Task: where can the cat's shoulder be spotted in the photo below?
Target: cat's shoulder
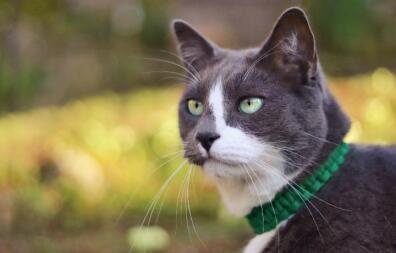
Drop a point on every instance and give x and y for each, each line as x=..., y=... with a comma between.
x=373, y=155
x=372, y=162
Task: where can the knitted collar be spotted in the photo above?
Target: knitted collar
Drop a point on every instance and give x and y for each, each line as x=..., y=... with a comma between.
x=287, y=202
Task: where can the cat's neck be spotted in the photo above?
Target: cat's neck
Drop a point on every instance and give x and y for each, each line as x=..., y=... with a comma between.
x=240, y=195
x=338, y=126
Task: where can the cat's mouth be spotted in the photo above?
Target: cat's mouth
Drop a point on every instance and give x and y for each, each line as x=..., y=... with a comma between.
x=211, y=158
x=223, y=161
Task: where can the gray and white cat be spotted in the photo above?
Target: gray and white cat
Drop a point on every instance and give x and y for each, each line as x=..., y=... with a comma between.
x=257, y=120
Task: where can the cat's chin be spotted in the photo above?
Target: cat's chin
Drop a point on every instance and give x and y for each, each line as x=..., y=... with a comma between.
x=220, y=168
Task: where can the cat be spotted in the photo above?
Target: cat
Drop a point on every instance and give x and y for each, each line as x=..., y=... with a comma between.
x=258, y=121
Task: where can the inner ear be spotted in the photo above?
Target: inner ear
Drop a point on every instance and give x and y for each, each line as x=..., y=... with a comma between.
x=195, y=50
x=291, y=45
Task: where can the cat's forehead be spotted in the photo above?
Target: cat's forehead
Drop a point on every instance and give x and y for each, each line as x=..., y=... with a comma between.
x=231, y=69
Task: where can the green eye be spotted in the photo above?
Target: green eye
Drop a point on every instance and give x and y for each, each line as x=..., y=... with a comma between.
x=195, y=107
x=251, y=105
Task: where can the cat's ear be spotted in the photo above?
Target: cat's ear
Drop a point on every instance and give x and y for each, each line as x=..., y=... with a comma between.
x=195, y=50
x=291, y=45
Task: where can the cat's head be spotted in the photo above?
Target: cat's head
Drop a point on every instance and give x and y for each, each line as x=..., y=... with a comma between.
x=261, y=109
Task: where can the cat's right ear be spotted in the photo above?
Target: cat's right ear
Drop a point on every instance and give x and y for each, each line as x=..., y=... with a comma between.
x=291, y=45
x=195, y=50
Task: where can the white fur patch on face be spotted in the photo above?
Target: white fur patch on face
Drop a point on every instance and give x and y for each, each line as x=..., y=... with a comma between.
x=216, y=102
x=247, y=170
x=234, y=147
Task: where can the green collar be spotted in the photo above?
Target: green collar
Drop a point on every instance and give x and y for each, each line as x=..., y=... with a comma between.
x=287, y=202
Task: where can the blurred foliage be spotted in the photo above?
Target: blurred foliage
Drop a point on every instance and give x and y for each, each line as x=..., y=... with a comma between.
x=17, y=86
x=86, y=170
x=354, y=35
x=55, y=50
x=98, y=162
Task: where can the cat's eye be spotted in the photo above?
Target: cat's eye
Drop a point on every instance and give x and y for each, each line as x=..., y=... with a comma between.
x=251, y=105
x=195, y=107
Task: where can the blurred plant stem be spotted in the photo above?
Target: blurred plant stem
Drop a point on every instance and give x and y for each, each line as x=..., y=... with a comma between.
x=12, y=53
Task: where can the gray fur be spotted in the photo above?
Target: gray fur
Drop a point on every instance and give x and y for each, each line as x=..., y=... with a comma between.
x=360, y=213
x=299, y=114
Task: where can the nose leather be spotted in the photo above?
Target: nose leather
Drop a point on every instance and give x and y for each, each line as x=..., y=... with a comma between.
x=207, y=139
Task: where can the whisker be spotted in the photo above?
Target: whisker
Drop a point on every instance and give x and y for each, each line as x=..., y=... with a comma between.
x=160, y=207
x=310, y=202
x=314, y=196
x=157, y=197
x=178, y=75
x=272, y=206
x=309, y=210
x=180, y=60
x=180, y=198
x=189, y=208
x=185, y=205
x=174, y=64
x=175, y=78
x=175, y=153
x=266, y=54
x=319, y=138
x=132, y=195
x=322, y=200
x=257, y=193
x=285, y=159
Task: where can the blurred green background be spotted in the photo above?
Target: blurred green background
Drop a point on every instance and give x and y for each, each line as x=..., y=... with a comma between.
x=88, y=124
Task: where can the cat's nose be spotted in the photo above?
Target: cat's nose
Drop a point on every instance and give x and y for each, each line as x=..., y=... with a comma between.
x=207, y=139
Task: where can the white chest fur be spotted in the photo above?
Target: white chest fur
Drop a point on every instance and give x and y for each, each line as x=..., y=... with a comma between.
x=240, y=197
x=260, y=242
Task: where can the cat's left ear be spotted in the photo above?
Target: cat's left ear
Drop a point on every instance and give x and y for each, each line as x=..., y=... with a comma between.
x=195, y=50
x=291, y=45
